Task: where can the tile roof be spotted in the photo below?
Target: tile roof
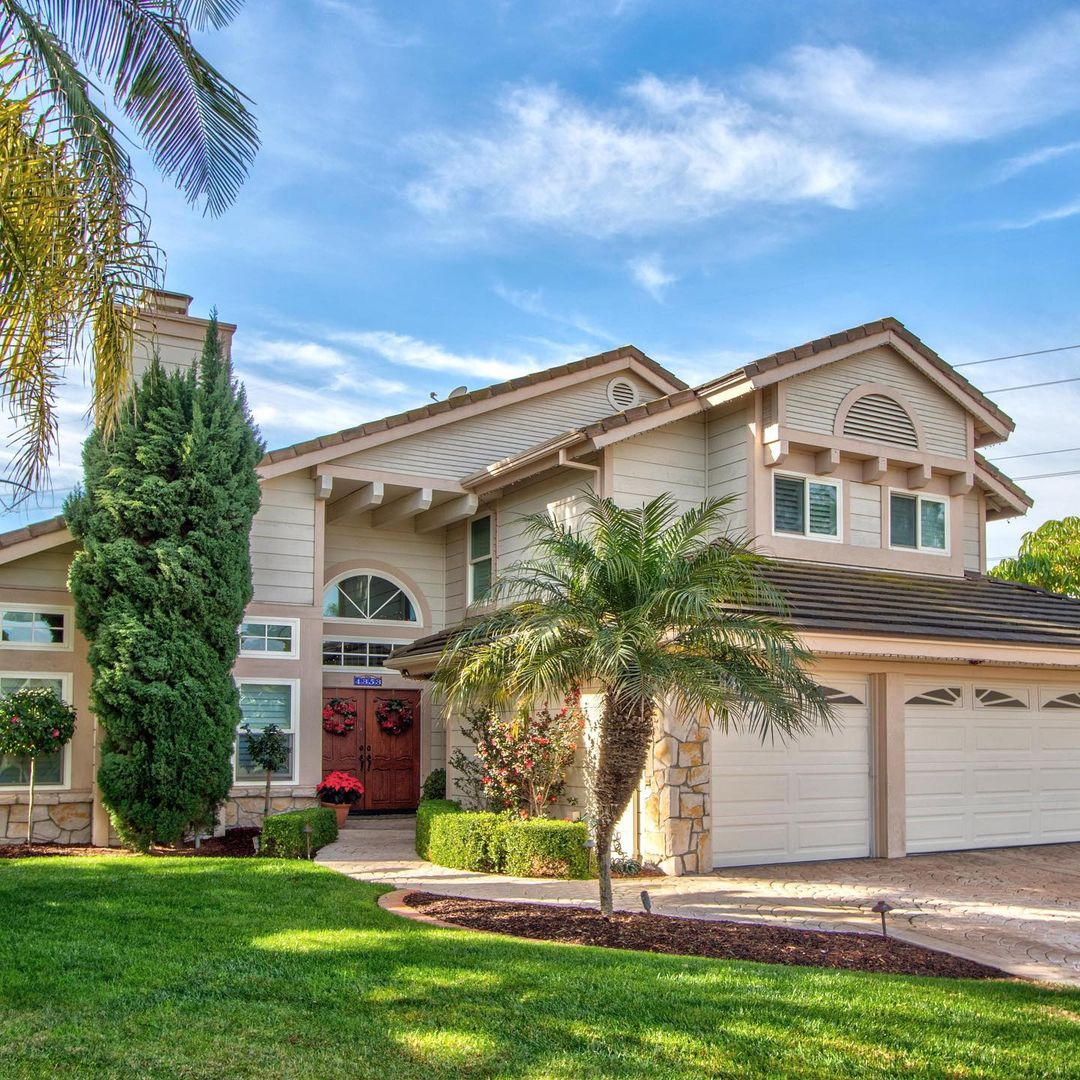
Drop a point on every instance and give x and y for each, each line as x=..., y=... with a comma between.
x=624, y=352
x=31, y=531
x=847, y=600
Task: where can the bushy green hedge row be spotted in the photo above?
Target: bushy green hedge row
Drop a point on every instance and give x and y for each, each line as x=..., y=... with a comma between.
x=283, y=834
x=500, y=844
x=426, y=812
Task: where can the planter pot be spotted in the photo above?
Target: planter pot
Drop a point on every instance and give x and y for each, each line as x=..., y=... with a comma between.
x=340, y=809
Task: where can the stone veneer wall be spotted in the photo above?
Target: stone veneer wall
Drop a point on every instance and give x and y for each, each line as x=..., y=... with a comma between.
x=61, y=817
x=676, y=833
x=244, y=807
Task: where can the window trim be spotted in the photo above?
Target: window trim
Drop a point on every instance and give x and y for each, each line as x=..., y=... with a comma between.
x=470, y=562
x=360, y=571
x=918, y=496
x=351, y=637
x=67, y=645
x=807, y=480
x=294, y=731
x=66, y=681
x=271, y=620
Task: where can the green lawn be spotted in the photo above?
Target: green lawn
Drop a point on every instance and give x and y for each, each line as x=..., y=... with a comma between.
x=213, y=968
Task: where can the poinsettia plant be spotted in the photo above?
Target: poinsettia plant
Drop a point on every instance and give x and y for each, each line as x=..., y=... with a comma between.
x=339, y=716
x=339, y=787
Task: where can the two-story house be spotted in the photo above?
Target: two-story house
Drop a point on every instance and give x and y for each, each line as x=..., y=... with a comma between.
x=853, y=460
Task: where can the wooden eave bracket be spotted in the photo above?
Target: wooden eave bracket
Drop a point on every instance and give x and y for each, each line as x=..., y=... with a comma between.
x=874, y=469
x=776, y=452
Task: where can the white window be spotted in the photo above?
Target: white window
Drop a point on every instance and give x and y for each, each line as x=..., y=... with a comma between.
x=53, y=770
x=481, y=558
x=368, y=597
x=35, y=627
x=270, y=638
x=264, y=702
x=352, y=653
x=918, y=522
x=805, y=506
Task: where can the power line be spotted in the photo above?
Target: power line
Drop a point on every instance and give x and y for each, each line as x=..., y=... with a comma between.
x=1017, y=356
x=1047, y=475
x=1036, y=453
x=1032, y=385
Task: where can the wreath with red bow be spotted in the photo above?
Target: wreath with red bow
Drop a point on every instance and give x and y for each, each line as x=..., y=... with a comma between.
x=394, y=716
x=339, y=716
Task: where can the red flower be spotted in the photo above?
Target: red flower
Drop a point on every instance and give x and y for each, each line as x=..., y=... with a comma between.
x=327, y=713
x=56, y=733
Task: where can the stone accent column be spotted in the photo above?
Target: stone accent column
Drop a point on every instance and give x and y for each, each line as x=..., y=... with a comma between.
x=676, y=819
x=887, y=710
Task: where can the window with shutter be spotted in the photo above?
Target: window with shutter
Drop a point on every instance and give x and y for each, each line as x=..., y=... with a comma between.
x=804, y=507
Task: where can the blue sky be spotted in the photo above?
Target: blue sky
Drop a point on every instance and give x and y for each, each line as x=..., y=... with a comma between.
x=452, y=193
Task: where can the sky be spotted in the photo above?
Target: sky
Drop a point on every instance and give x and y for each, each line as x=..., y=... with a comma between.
x=455, y=193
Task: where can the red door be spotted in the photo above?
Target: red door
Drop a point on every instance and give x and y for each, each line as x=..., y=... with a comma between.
x=388, y=765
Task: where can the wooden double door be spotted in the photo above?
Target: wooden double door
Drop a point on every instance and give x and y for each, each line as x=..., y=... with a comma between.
x=387, y=765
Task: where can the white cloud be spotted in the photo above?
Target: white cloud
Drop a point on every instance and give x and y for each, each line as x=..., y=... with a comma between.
x=964, y=100
x=649, y=273
x=532, y=302
x=1056, y=213
x=1013, y=166
x=671, y=153
x=302, y=353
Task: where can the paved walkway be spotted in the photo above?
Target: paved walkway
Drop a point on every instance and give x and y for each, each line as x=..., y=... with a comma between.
x=1015, y=908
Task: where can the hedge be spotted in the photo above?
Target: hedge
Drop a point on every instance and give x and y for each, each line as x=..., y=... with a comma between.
x=540, y=847
x=426, y=812
x=497, y=843
x=283, y=834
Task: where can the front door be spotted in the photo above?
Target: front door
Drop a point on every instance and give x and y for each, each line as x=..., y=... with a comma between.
x=387, y=764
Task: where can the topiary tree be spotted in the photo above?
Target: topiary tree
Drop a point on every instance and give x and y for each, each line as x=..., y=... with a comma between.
x=160, y=585
x=268, y=748
x=34, y=722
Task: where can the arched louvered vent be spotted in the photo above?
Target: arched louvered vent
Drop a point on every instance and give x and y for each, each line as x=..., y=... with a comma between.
x=622, y=393
x=877, y=418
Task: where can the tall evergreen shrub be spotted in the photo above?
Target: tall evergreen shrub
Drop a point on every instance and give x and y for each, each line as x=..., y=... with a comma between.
x=160, y=585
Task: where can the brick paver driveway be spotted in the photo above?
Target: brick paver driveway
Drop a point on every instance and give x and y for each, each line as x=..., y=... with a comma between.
x=1015, y=908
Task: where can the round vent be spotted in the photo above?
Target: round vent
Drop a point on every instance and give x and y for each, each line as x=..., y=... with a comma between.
x=622, y=393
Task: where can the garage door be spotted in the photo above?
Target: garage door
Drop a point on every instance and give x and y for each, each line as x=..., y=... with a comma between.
x=806, y=800
x=991, y=764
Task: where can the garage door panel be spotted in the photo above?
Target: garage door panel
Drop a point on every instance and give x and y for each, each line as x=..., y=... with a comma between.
x=986, y=776
x=806, y=799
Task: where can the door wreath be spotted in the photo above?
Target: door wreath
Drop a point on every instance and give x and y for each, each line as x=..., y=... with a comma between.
x=394, y=716
x=339, y=716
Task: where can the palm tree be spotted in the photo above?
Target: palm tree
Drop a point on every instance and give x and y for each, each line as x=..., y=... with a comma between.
x=60, y=294
x=655, y=610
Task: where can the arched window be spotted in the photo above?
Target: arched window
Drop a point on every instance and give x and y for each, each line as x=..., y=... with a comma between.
x=368, y=597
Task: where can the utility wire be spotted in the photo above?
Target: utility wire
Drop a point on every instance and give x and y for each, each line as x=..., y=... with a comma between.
x=1017, y=356
x=1047, y=475
x=1032, y=385
x=1036, y=453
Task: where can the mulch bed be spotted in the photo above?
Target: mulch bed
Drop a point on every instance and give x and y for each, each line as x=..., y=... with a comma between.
x=696, y=937
x=235, y=844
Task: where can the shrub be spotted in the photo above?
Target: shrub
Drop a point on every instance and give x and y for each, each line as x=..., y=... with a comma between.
x=540, y=847
x=469, y=841
x=283, y=834
x=435, y=785
x=426, y=812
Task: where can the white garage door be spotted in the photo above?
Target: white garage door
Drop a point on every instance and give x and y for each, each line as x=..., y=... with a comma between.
x=809, y=799
x=991, y=764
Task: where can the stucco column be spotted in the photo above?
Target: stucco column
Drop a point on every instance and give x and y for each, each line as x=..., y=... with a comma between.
x=889, y=764
x=100, y=826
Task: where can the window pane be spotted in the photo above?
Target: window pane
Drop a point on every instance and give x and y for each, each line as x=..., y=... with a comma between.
x=481, y=579
x=932, y=524
x=33, y=627
x=266, y=703
x=788, y=504
x=279, y=638
x=249, y=643
x=389, y=602
x=480, y=538
x=10, y=683
x=823, y=509
x=902, y=521
x=246, y=769
x=15, y=771
x=367, y=597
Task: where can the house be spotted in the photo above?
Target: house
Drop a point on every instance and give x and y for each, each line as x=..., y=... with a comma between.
x=854, y=461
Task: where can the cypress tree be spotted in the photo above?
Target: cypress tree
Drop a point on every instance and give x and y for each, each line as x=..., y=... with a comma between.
x=160, y=585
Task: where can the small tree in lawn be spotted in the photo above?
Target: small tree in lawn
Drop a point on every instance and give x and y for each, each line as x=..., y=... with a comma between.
x=653, y=608
x=268, y=748
x=34, y=722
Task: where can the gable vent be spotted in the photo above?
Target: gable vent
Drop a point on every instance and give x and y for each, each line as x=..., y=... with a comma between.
x=877, y=418
x=622, y=394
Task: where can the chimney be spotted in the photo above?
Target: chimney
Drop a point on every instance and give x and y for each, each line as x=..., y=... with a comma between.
x=164, y=326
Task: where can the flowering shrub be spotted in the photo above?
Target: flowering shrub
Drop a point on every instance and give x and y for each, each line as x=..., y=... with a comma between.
x=338, y=788
x=520, y=763
x=339, y=716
